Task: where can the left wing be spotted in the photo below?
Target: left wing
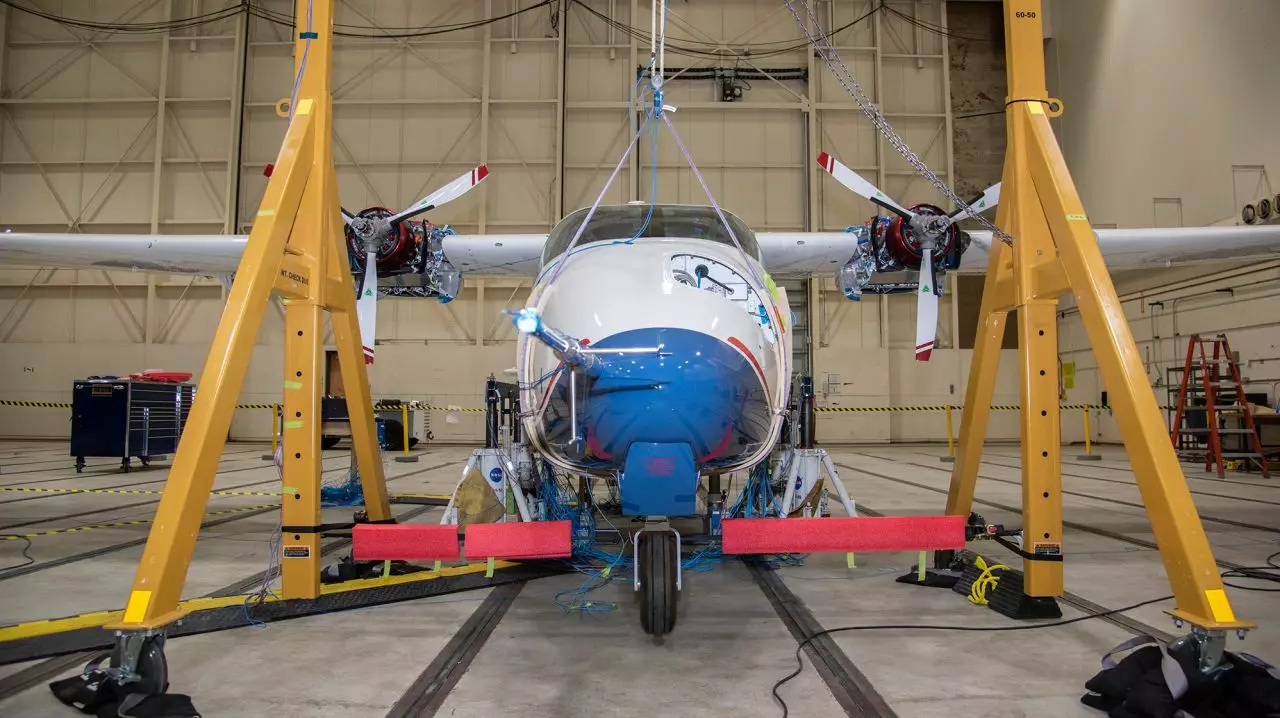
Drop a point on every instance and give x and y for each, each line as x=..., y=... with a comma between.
x=807, y=253
x=219, y=255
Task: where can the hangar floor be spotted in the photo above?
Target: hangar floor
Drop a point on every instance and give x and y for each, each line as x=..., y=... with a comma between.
x=729, y=647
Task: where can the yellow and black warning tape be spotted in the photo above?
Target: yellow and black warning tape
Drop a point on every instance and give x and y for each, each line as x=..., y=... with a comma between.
x=943, y=407
x=380, y=407
x=122, y=524
x=134, y=492
x=36, y=404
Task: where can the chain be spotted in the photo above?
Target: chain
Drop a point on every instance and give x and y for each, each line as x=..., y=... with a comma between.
x=823, y=46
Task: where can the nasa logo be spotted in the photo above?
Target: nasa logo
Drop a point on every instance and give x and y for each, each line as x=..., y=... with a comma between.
x=495, y=475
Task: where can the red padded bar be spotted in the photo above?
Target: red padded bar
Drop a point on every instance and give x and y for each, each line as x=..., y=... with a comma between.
x=404, y=542
x=536, y=539
x=843, y=534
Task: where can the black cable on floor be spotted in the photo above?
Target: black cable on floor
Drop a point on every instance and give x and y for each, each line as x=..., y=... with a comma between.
x=1270, y=572
x=25, y=549
x=926, y=627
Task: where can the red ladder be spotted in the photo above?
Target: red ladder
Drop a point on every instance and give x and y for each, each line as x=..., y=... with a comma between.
x=1219, y=395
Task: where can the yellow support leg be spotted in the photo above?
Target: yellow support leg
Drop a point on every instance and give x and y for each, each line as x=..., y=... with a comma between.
x=1054, y=250
x=296, y=249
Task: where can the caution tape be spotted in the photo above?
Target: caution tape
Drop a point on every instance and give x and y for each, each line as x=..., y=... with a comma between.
x=36, y=404
x=377, y=407
x=133, y=492
x=122, y=524
x=944, y=407
x=154, y=492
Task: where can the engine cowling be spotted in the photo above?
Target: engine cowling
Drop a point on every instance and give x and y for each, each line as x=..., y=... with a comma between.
x=899, y=242
x=396, y=248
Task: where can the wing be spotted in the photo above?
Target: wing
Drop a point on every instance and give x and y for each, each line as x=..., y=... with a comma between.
x=176, y=254
x=492, y=254
x=804, y=253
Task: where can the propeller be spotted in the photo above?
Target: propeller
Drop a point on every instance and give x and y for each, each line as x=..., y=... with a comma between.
x=372, y=230
x=927, y=227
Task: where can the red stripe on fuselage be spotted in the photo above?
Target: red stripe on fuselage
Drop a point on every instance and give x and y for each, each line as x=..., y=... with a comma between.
x=737, y=344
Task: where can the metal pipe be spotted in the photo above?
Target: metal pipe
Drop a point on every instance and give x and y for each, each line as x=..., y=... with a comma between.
x=491, y=417
x=573, y=405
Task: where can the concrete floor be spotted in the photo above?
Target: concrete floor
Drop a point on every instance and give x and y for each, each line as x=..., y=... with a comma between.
x=728, y=649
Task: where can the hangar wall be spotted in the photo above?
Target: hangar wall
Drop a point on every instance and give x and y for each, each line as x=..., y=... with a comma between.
x=1185, y=75
x=170, y=133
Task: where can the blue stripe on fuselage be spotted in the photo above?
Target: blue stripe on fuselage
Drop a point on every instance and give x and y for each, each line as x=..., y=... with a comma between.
x=700, y=391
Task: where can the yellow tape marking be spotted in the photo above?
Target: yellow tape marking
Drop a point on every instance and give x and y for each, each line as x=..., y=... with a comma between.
x=1035, y=108
x=304, y=107
x=1219, y=605
x=1077, y=218
x=136, y=609
x=266, y=213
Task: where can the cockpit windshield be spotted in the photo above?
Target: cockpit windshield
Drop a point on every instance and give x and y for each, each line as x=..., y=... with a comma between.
x=623, y=222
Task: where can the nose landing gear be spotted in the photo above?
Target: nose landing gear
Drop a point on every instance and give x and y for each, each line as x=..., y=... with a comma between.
x=658, y=577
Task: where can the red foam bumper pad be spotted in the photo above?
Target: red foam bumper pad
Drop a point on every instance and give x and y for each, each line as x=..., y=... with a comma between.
x=537, y=539
x=404, y=542
x=843, y=534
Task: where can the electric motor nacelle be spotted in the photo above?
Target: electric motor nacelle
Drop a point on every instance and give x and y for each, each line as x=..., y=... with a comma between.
x=409, y=247
x=889, y=244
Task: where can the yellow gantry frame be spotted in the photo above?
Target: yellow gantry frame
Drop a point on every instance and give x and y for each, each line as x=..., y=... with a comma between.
x=296, y=249
x=1054, y=251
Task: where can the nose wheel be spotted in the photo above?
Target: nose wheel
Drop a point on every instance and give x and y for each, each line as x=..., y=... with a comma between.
x=658, y=579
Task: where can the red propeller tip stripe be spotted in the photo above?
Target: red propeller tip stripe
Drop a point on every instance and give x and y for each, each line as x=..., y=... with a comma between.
x=824, y=160
x=481, y=172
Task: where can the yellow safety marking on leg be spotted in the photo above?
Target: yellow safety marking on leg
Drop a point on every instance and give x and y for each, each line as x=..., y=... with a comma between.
x=288, y=490
x=304, y=107
x=293, y=425
x=488, y=568
x=136, y=609
x=266, y=213
x=848, y=559
x=920, y=572
x=1035, y=108
x=293, y=385
x=1077, y=218
x=1219, y=605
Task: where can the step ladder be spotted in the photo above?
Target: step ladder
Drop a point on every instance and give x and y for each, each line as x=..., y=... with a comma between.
x=1212, y=382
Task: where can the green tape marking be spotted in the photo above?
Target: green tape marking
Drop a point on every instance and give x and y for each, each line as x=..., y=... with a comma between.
x=293, y=385
x=849, y=560
x=488, y=568
x=288, y=490
x=293, y=425
x=920, y=573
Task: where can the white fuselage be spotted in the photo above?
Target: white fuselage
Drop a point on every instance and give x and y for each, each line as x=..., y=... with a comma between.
x=718, y=379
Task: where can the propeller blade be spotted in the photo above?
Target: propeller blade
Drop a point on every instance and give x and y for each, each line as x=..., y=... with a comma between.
x=926, y=309
x=367, y=306
x=447, y=193
x=981, y=203
x=859, y=186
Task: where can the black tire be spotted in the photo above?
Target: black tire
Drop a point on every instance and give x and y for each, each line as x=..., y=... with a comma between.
x=658, y=594
x=328, y=442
